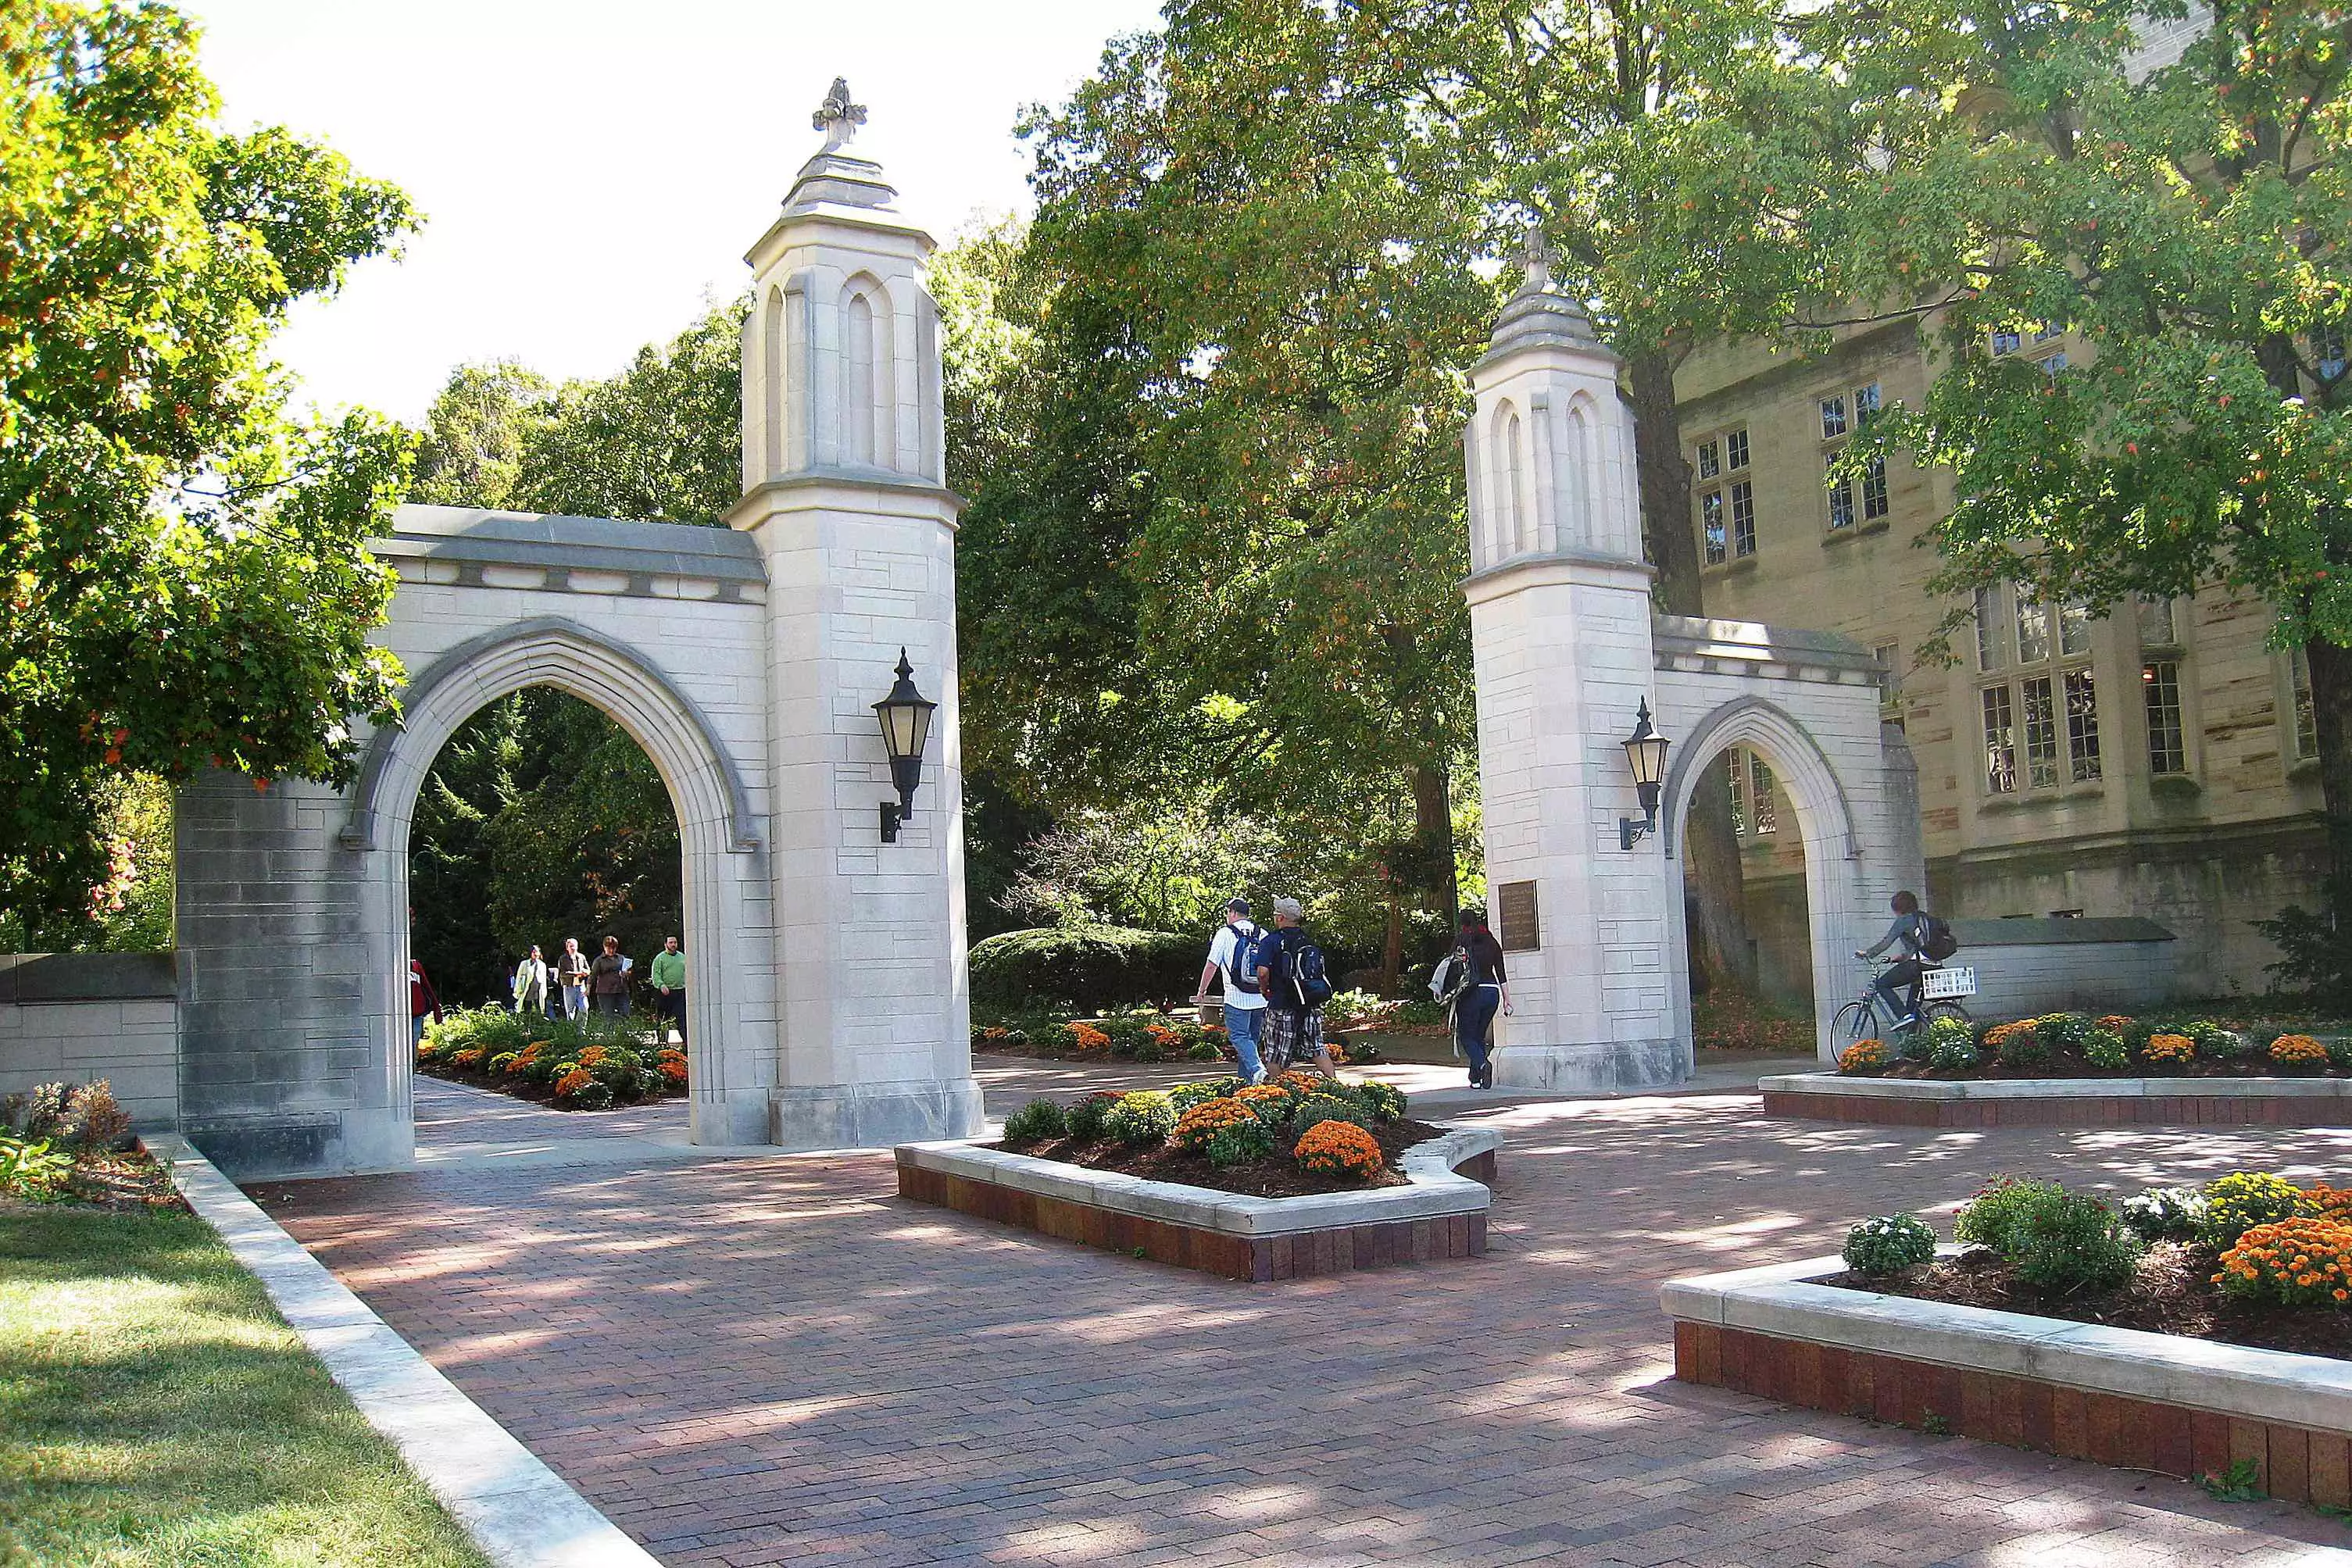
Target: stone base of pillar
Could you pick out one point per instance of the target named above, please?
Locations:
(1599, 1067)
(874, 1116)
(355, 1141)
(734, 1117)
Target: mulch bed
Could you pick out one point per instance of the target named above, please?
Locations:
(1275, 1177)
(2064, 1067)
(121, 1183)
(542, 1095)
(2172, 1294)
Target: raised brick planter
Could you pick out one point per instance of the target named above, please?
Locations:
(1439, 1213)
(2062, 1102)
(2115, 1396)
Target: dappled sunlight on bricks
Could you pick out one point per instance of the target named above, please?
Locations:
(864, 1381)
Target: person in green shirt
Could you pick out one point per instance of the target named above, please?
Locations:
(667, 973)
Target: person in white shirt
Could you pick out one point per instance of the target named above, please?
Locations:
(1233, 955)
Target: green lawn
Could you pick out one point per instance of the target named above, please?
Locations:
(154, 1410)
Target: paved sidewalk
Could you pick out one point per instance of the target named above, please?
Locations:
(762, 1361)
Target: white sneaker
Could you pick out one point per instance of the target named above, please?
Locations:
(1258, 1077)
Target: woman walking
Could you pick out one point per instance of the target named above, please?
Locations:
(1480, 988)
(608, 980)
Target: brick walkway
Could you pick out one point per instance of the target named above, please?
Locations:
(766, 1361)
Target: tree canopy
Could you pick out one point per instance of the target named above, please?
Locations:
(184, 579)
(2187, 226)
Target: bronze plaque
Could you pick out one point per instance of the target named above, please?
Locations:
(1522, 930)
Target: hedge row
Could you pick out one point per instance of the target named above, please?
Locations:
(1090, 966)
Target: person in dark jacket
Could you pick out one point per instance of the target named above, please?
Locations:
(608, 981)
(1480, 988)
(1910, 933)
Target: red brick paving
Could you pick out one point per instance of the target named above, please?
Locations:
(768, 1361)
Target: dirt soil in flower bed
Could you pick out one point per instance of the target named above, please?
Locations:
(2172, 1294)
(1277, 1176)
(518, 1089)
(121, 1181)
(2071, 1067)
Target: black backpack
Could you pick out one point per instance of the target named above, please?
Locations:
(1939, 944)
(1309, 980)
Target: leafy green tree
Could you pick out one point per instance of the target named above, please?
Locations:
(182, 572)
(2188, 229)
(1291, 213)
(471, 453)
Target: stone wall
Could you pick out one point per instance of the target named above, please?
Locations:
(77, 1017)
(2027, 967)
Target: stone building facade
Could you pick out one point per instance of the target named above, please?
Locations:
(2155, 762)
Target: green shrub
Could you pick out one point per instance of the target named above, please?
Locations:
(31, 1169)
(2239, 1201)
(2217, 1044)
(1420, 1012)
(2062, 1031)
(1092, 968)
(2339, 1050)
(2105, 1050)
(1036, 1122)
(1088, 1116)
(2022, 1046)
(2072, 1242)
(2166, 1213)
(1888, 1245)
(1348, 1008)
(2138, 1032)
(1146, 1116)
(1953, 1051)
(1251, 1140)
(1386, 1101)
(1185, 1096)
(1323, 1107)
(594, 1095)
(1991, 1218)
(1203, 1049)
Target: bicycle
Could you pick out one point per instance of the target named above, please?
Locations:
(1933, 997)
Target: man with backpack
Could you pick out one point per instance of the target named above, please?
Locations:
(1292, 975)
(1235, 954)
(1922, 936)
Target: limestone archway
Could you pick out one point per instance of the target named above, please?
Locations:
(706, 790)
(1833, 853)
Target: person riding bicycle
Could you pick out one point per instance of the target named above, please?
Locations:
(1910, 933)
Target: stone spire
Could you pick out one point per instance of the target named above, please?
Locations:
(1538, 313)
(836, 177)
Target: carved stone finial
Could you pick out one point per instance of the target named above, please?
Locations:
(1536, 255)
(837, 117)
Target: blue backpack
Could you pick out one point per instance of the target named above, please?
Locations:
(1240, 974)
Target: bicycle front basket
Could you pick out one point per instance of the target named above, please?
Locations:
(1944, 984)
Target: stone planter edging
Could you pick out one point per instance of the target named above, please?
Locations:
(2119, 1396)
(1434, 1191)
(2066, 1102)
(1438, 1214)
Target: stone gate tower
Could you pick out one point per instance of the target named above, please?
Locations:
(844, 494)
(1559, 616)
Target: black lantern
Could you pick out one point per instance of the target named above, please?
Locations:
(1645, 750)
(906, 718)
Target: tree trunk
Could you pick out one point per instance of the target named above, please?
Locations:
(1432, 833)
(1392, 949)
(1711, 849)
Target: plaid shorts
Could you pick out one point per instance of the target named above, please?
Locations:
(1288, 1036)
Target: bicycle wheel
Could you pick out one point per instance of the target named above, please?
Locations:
(1934, 1011)
(1857, 1020)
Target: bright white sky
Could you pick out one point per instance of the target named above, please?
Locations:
(591, 171)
